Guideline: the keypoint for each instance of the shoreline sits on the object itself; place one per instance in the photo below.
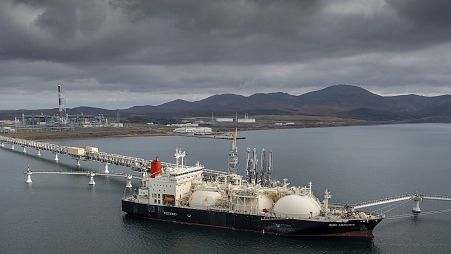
(219, 131)
(264, 122)
(159, 131)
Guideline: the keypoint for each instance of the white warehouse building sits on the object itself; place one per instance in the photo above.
(194, 130)
(224, 120)
(246, 119)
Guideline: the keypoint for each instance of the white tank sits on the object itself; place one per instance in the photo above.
(297, 206)
(203, 199)
(264, 203)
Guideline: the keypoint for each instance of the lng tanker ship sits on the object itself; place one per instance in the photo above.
(196, 196)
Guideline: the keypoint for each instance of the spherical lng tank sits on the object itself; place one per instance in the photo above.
(264, 203)
(297, 206)
(202, 199)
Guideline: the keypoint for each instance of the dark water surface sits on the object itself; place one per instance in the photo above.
(62, 214)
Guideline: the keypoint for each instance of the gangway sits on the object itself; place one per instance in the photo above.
(90, 174)
(381, 201)
(416, 198)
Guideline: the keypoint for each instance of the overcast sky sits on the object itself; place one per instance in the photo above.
(119, 53)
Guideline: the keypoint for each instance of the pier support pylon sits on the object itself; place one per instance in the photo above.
(39, 153)
(24, 149)
(106, 169)
(28, 181)
(12, 147)
(416, 207)
(129, 181)
(3, 144)
(56, 157)
(78, 163)
(91, 178)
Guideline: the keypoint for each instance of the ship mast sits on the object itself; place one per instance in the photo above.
(265, 168)
(254, 166)
(233, 155)
(251, 166)
(327, 196)
(256, 174)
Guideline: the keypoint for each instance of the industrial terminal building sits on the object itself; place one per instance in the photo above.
(236, 119)
(54, 121)
(61, 119)
(194, 130)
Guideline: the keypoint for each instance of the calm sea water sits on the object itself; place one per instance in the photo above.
(62, 214)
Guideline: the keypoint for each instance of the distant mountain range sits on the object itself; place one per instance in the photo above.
(344, 101)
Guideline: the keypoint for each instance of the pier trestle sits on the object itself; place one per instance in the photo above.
(416, 198)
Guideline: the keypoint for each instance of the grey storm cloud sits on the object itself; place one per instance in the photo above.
(122, 53)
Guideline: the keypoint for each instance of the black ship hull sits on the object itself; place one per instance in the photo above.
(254, 223)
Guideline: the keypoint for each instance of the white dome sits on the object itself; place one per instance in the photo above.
(297, 206)
(203, 199)
(264, 203)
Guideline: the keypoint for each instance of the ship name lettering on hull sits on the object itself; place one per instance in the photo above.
(170, 213)
(341, 225)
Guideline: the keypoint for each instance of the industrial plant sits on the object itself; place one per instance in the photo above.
(62, 120)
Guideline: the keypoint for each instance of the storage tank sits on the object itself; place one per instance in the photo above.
(264, 203)
(297, 206)
(202, 199)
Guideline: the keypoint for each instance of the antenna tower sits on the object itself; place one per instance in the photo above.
(62, 116)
